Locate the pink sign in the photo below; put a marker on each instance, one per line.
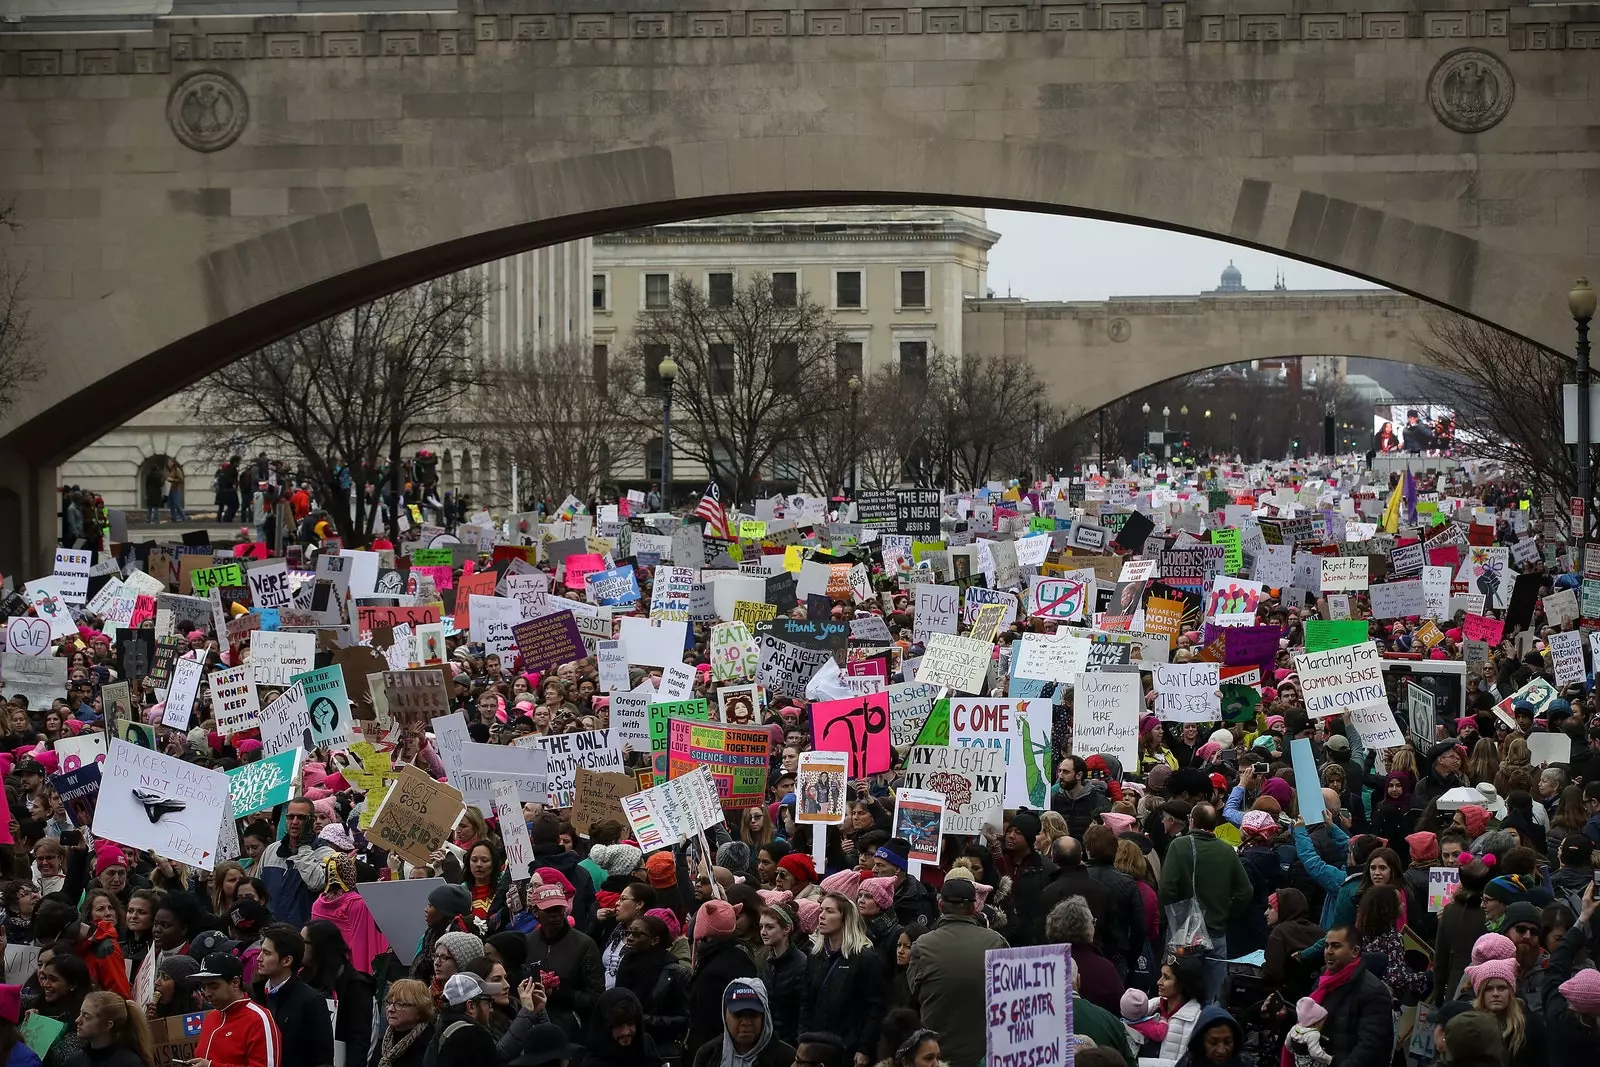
(857, 725)
(1482, 628)
(581, 565)
(143, 608)
(1445, 556)
(444, 577)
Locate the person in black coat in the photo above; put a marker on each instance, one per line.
(651, 972)
(847, 987)
(1070, 878)
(787, 972)
(720, 956)
(300, 1011)
(1359, 1030)
(747, 1037)
(617, 1035)
(327, 970)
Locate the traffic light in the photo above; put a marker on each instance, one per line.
(1294, 448)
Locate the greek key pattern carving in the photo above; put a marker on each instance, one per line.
(1195, 22)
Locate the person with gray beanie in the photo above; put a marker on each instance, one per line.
(449, 909)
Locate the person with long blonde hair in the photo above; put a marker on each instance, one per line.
(1484, 763)
(225, 881)
(846, 986)
(114, 1033)
(755, 829)
(1494, 987)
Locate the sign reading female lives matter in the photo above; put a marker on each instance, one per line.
(161, 804)
(1028, 998)
(1338, 680)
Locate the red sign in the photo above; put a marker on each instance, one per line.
(1578, 525)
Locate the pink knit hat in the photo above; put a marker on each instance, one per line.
(770, 897)
(809, 911)
(845, 883)
(716, 918)
(11, 1003)
(1308, 1012)
(674, 927)
(1493, 947)
(1505, 970)
(1582, 991)
(1119, 823)
(881, 890)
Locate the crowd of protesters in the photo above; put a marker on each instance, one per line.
(757, 956)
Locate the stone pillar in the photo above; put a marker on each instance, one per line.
(30, 517)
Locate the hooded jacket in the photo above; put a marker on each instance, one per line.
(570, 864)
(348, 911)
(1211, 1018)
(768, 1051)
(717, 961)
(785, 978)
(293, 878)
(848, 996)
(1472, 1039)
(1294, 933)
(602, 1050)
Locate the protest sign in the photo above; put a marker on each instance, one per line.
(72, 575)
(1338, 680)
(1322, 635)
(630, 716)
(327, 706)
(1307, 784)
(415, 697)
(919, 819)
(28, 637)
(1482, 628)
(917, 512)
(183, 687)
(937, 610)
(1063, 599)
(275, 655)
(1546, 749)
(612, 587)
(1377, 726)
(910, 703)
(567, 752)
(79, 790)
(1050, 658)
(507, 803)
(736, 756)
(416, 816)
(400, 908)
(733, 652)
(265, 783)
(1187, 692)
(820, 792)
(1344, 574)
(42, 679)
(233, 699)
(1233, 603)
(550, 641)
(958, 663)
(858, 726)
(653, 642)
(738, 705)
(1028, 994)
(1566, 655)
(284, 722)
(1106, 708)
(269, 585)
(791, 653)
(1561, 607)
(152, 801)
(597, 796)
(662, 712)
(86, 748)
(481, 765)
(1398, 600)
(1442, 883)
(173, 1039)
(972, 781)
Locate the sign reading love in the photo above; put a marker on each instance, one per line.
(28, 636)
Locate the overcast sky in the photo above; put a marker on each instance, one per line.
(1054, 257)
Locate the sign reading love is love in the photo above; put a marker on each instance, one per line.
(28, 637)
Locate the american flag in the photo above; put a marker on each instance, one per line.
(710, 509)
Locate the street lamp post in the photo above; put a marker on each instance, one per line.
(1208, 431)
(1580, 301)
(1145, 441)
(668, 369)
(1166, 428)
(855, 395)
(1233, 432)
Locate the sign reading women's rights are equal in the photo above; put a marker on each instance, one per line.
(1338, 680)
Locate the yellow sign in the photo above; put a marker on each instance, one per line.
(751, 612)
(752, 529)
(919, 549)
(793, 559)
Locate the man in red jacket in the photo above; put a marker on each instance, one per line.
(241, 1033)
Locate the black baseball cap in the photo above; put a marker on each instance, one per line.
(958, 891)
(224, 965)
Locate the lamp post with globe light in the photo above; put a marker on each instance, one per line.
(668, 369)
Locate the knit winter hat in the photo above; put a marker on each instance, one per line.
(1135, 1005)
(1493, 947)
(1278, 790)
(1506, 888)
(808, 911)
(716, 918)
(1505, 970)
(1258, 826)
(463, 947)
(660, 869)
(1027, 824)
(619, 859)
(674, 927)
(1476, 817)
(451, 900)
(1119, 823)
(799, 866)
(1582, 991)
(735, 856)
(1424, 846)
(108, 856)
(845, 883)
(1308, 1012)
(881, 890)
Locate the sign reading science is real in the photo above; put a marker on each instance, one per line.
(1337, 680)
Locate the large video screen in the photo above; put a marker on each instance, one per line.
(1416, 428)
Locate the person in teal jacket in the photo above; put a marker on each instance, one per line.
(1343, 886)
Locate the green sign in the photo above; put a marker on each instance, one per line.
(1041, 524)
(1322, 634)
(697, 710)
(207, 578)
(432, 557)
(1233, 551)
(936, 731)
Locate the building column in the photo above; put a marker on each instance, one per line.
(30, 517)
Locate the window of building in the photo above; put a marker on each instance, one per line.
(652, 460)
(848, 358)
(786, 366)
(914, 359)
(913, 288)
(719, 289)
(602, 292)
(599, 367)
(786, 288)
(721, 368)
(653, 355)
(848, 289)
(657, 292)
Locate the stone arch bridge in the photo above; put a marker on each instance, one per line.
(191, 187)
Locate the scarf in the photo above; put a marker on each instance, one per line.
(394, 1048)
(1325, 985)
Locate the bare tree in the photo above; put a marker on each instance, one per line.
(895, 432)
(1507, 395)
(350, 393)
(19, 363)
(756, 371)
(991, 413)
(822, 456)
(562, 426)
